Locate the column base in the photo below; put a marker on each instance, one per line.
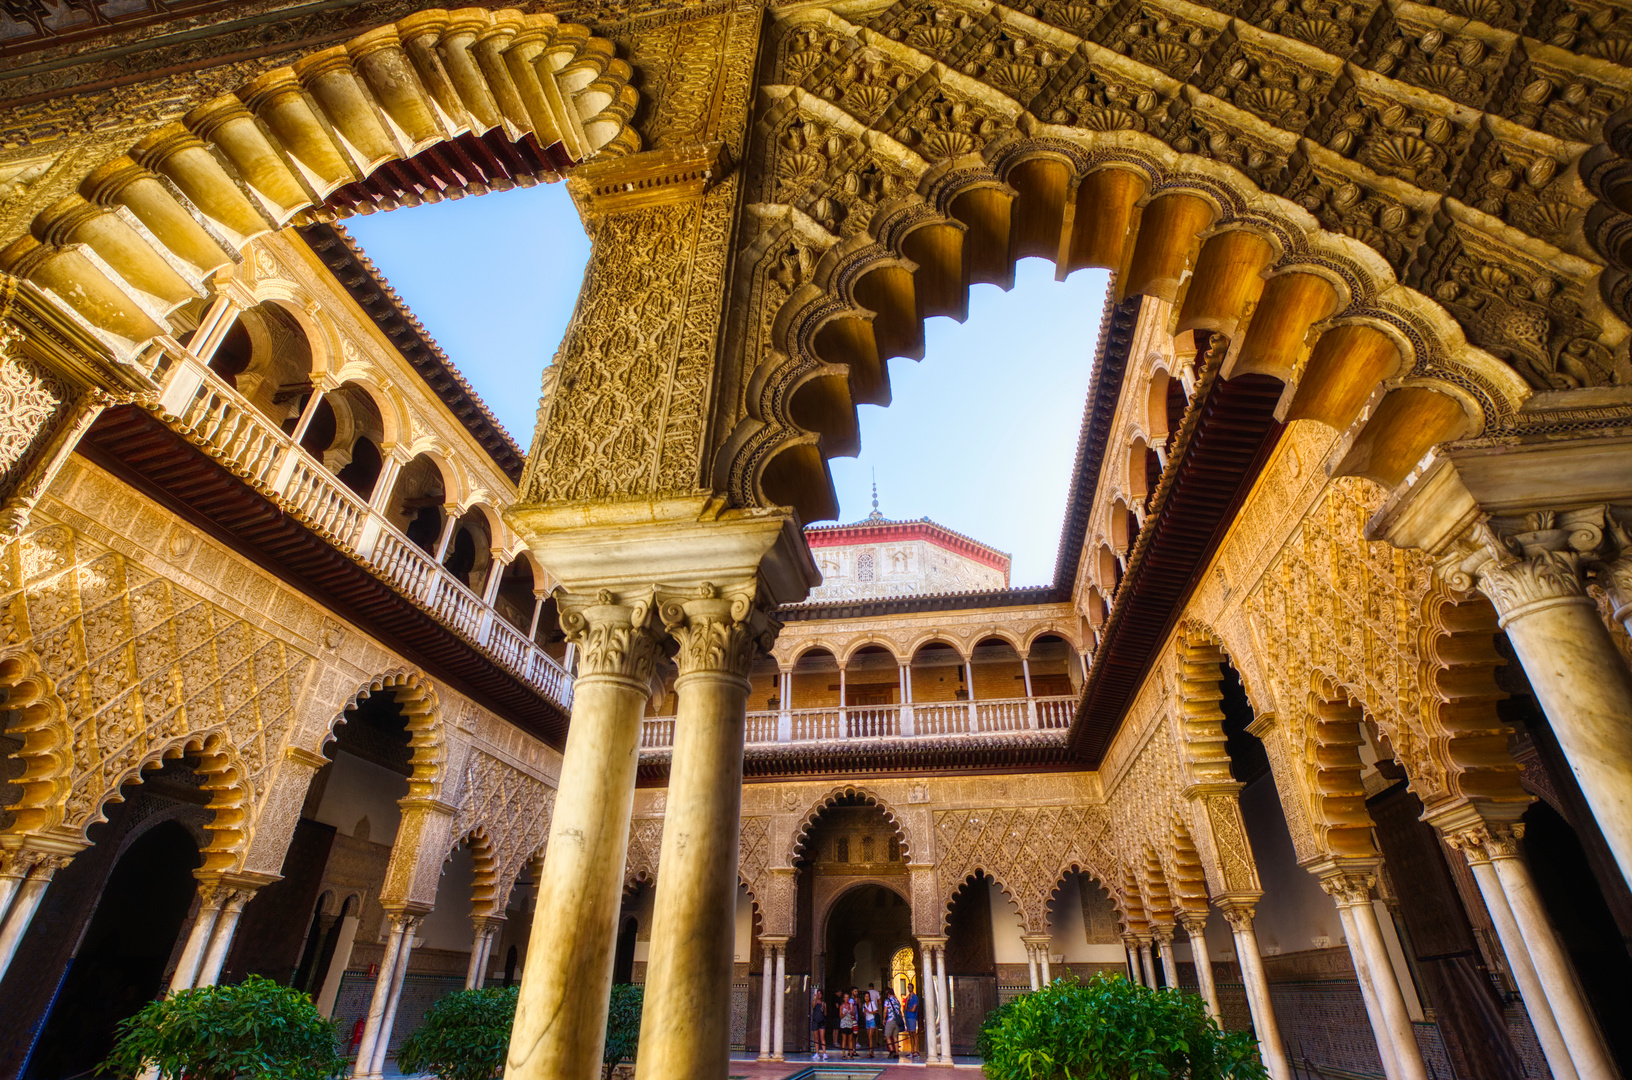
(776, 1057)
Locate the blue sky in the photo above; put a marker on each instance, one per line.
(980, 436)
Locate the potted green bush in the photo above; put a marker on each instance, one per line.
(1110, 1029)
(464, 1036)
(253, 1029)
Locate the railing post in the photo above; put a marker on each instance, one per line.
(1031, 699)
(185, 379)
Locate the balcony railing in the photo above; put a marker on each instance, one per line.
(864, 723)
(236, 434)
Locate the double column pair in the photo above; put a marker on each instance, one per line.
(935, 1010)
(382, 1007)
(1563, 1022)
(1037, 960)
(773, 1005)
(25, 873)
(220, 903)
(685, 1025)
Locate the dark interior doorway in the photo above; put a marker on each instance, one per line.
(865, 928)
(120, 964)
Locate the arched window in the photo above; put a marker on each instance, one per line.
(895, 849)
(864, 566)
(841, 850)
(867, 849)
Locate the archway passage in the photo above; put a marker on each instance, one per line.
(866, 927)
(120, 964)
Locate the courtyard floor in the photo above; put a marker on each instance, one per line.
(746, 1068)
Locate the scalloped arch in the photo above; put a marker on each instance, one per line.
(986, 182)
(802, 833)
(427, 734)
(246, 163)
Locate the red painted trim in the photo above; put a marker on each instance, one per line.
(896, 531)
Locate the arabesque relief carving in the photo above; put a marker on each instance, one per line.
(145, 670)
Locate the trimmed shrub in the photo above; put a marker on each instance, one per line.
(1110, 1029)
(464, 1036)
(250, 1030)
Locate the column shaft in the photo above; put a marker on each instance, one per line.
(1564, 997)
(1147, 965)
(779, 1044)
(767, 973)
(1386, 985)
(1031, 964)
(1585, 688)
(927, 1010)
(337, 966)
(473, 972)
(19, 916)
(1258, 999)
(943, 1004)
(388, 1022)
(560, 1025)
(1170, 964)
(209, 973)
(198, 940)
(1204, 968)
(1048, 975)
(1368, 994)
(1553, 1047)
(377, 1003)
(685, 1026)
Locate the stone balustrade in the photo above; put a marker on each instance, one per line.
(203, 408)
(862, 723)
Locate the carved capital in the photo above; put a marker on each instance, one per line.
(1194, 923)
(1489, 840)
(1525, 561)
(32, 863)
(616, 634)
(1348, 886)
(1238, 912)
(1163, 935)
(719, 630)
(1614, 569)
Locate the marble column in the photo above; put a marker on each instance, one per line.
(943, 1003)
(210, 898)
(1547, 957)
(929, 1012)
(481, 942)
(1147, 966)
(1195, 925)
(337, 965)
(1031, 964)
(779, 1043)
(1238, 913)
(25, 874)
(1471, 841)
(1136, 974)
(1163, 936)
(221, 940)
(560, 1025)
(382, 993)
(1532, 569)
(388, 1022)
(767, 976)
(685, 1024)
(1350, 890)
(1048, 975)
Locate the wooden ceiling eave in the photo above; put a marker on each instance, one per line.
(1234, 435)
(909, 755)
(131, 443)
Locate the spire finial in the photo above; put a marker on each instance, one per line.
(875, 491)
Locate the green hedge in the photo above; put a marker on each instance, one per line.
(1110, 1029)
